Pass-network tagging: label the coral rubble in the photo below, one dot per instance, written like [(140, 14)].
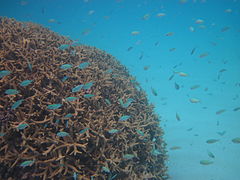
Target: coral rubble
[(71, 111)]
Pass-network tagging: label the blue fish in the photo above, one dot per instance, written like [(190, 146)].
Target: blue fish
[(66, 123), (26, 83), (29, 65), (83, 131), (22, 126), (77, 88), (127, 103), (65, 66), (17, 104), (88, 95), (108, 102), (76, 43), (124, 118), (27, 163), (88, 85), (75, 176), (109, 71), (140, 132), (113, 177), (62, 134), (63, 46), (2, 134), (73, 52), (128, 156), (54, 106), (57, 121), (64, 78), (156, 152), (4, 73), (71, 98), (121, 102), (83, 65), (210, 154), (112, 131), (106, 169), (11, 91), (68, 115)]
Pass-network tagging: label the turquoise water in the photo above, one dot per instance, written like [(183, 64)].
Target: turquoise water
[(196, 38)]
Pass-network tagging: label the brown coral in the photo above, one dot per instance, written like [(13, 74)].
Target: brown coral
[(88, 150)]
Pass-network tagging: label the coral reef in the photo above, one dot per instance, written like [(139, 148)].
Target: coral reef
[(69, 111)]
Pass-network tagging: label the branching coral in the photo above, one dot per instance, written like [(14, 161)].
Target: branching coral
[(71, 111)]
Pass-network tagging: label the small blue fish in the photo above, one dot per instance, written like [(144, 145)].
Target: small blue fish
[(154, 92), (113, 177), (2, 134), (236, 140), (26, 83), (83, 65), (63, 46), (105, 169), (206, 162), (133, 81), (64, 78), (29, 65), (83, 131), (88, 85), (211, 141), (108, 102), (17, 104), (4, 73), (76, 43), (121, 102), (65, 66), (57, 121), (77, 88), (127, 103), (124, 118), (11, 91), (68, 115), (140, 132), (73, 52), (88, 95), (75, 176), (130, 100), (66, 123), (115, 76), (22, 126), (109, 71), (62, 134), (54, 106), (27, 163), (112, 131), (210, 154), (71, 98), (221, 133), (128, 156), (156, 152)]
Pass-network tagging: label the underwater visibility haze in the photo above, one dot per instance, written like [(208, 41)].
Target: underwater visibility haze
[(120, 89)]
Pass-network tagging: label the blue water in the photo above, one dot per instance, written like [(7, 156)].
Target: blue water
[(107, 24)]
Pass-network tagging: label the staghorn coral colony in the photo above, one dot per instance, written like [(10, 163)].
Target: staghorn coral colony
[(69, 111)]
